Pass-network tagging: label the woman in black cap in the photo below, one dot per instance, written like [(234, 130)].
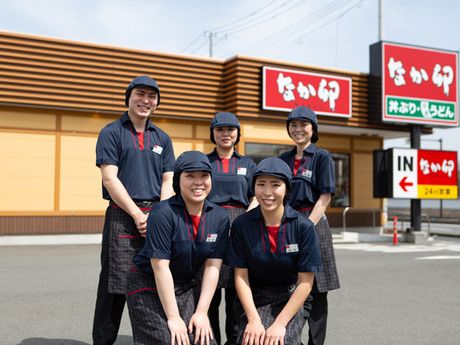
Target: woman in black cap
[(185, 234), (313, 187), (232, 177), (274, 251)]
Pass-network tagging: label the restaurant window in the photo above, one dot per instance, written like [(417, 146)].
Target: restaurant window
[(341, 198)]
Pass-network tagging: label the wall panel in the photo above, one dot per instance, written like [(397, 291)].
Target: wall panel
[(27, 174), (367, 144), (22, 119), (181, 146), (362, 187), (264, 130), (81, 186), (334, 143), (90, 124), (175, 129)]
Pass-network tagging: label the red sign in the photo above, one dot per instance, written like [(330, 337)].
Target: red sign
[(284, 89), (437, 167), (420, 85)]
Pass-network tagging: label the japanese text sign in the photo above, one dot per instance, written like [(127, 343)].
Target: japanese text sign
[(425, 174), (419, 85), (284, 89)]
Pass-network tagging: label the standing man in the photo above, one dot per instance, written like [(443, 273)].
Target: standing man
[(136, 159)]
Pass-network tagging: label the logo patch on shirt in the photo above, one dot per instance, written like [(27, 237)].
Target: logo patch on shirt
[(241, 171), (292, 248), (211, 238), (157, 149), (306, 173)]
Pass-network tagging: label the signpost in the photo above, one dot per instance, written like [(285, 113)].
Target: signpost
[(416, 86), (415, 174), (424, 174)]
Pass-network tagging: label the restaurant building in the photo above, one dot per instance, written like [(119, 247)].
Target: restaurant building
[(56, 95)]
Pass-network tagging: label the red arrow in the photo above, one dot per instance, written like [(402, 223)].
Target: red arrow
[(403, 183)]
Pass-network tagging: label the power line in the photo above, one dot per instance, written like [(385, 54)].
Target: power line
[(215, 36), (199, 47), (261, 9), (192, 43), (334, 19), (265, 19), (254, 22), (300, 24), (244, 23), (287, 30)]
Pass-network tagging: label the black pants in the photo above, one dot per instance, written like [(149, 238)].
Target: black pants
[(109, 307), (316, 304), (231, 325)]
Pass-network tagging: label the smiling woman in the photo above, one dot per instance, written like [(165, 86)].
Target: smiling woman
[(186, 234), (232, 176), (313, 187), (274, 251)]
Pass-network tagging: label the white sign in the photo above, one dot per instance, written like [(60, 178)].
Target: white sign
[(405, 173)]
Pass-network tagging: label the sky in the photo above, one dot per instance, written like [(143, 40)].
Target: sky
[(325, 33)]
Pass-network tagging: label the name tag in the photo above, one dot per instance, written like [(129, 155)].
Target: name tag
[(241, 171), (211, 238), (292, 248), (306, 173), (157, 149)]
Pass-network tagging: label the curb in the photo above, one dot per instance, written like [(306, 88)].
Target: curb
[(45, 240)]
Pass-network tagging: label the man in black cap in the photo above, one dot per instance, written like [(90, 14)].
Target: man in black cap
[(136, 159)]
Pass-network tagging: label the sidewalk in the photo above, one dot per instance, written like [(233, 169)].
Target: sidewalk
[(352, 235)]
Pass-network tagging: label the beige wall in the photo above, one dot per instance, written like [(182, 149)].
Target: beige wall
[(80, 179), (27, 176), (27, 120), (362, 188), (31, 179), (92, 124)]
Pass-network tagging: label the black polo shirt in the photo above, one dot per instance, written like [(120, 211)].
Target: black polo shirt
[(297, 248), (139, 170), (233, 187), (314, 177), (170, 236)]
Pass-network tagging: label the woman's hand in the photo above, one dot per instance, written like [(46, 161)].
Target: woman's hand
[(254, 333), (203, 331), (178, 331), (275, 334)]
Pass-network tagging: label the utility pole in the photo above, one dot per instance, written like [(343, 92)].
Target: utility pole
[(440, 200), (211, 36), (415, 204), (380, 20)]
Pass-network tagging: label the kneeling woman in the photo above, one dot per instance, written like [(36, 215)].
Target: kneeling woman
[(275, 251), (184, 234)]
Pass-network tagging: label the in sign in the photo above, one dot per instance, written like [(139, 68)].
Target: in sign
[(405, 174)]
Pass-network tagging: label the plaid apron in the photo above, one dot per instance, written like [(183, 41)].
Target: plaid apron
[(269, 303), (123, 241), (328, 278), (226, 272), (148, 319)]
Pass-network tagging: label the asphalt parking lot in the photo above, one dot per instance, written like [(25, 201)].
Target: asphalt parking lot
[(390, 295)]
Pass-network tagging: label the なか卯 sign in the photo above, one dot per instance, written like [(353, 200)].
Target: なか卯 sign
[(326, 94), (418, 85)]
